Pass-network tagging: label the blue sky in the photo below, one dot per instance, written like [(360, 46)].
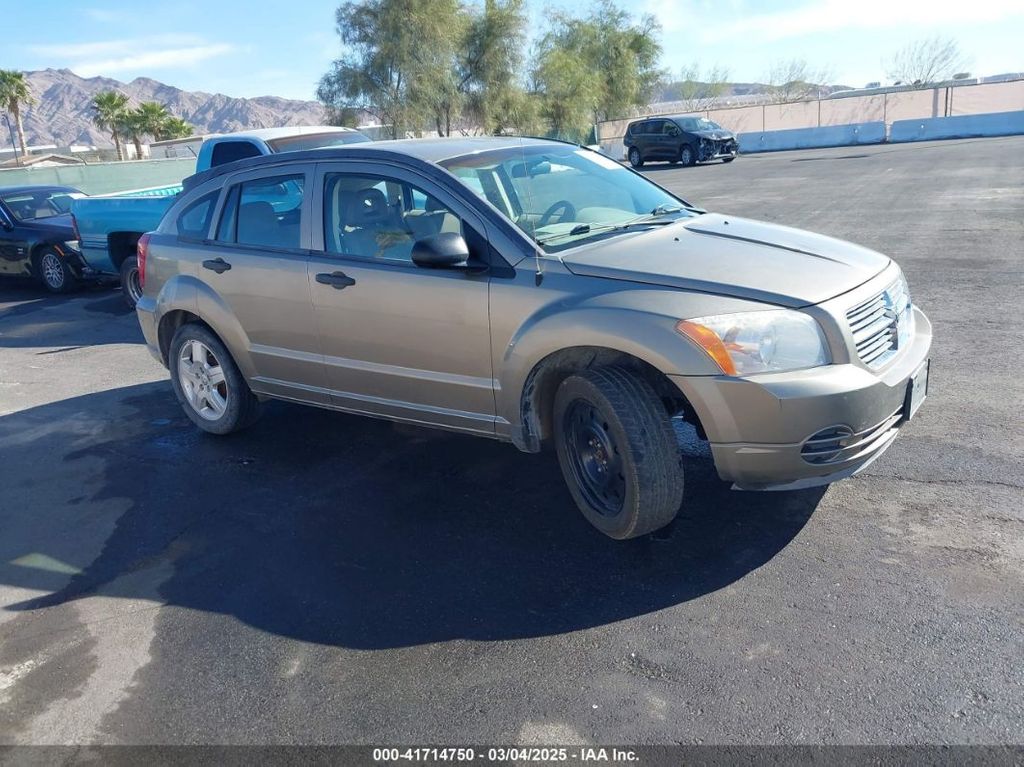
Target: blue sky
[(258, 47)]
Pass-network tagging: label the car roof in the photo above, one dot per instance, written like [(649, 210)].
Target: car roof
[(36, 188), (269, 134), (427, 150)]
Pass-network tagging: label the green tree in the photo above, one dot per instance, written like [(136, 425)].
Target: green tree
[(608, 55), (396, 62), (490, 66), (152, 117), (110, 111), (134, 128), (14, 94), (175, 127)]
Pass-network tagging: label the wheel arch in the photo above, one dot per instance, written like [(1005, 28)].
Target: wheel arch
[(121, 246), (536, 401)]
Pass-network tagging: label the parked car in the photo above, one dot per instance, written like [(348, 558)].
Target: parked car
[(37, 239), (110, 225), (678, 138), (535, 292)]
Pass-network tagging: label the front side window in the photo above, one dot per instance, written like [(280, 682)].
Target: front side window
[(194, 221), (381, 218), (266, 212), (561, 195)]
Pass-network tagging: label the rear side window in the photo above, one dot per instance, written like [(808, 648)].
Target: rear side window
[(230, 151), (194, 221), (265, 212)]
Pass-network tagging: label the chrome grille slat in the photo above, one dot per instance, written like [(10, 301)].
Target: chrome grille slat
[(873, 323)]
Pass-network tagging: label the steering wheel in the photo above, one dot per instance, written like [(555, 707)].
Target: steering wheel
[(568, 212)]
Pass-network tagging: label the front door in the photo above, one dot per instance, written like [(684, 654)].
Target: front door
[(399, 340)]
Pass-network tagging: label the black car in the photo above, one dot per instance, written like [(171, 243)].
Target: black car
[(37, 238), (678, 138)]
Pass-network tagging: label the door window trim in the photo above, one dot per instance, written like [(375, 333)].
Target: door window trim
[(259, 174), (400, 175)]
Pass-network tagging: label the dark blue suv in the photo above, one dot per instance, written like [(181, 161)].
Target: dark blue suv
[(678, 139)]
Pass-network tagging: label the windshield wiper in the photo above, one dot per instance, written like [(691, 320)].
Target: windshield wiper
[(647, 219)]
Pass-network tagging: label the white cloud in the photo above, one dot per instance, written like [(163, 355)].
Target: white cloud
[(108, 57), (833, 15)]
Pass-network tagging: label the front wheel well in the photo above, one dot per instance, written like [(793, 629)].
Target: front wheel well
[(538, 397), (122, 246)]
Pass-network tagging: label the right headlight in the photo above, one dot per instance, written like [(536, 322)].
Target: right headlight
[(759, 342)]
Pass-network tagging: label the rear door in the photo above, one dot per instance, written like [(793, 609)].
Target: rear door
[(399, 340), (255, 262)]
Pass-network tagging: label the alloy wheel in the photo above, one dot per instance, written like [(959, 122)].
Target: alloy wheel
[(202, 380), (52, 270)]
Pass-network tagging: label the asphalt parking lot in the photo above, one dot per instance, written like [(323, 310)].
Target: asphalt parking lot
[(323, 578)]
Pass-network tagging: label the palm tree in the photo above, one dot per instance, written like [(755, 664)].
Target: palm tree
[(109, 111), (134, 127), (15, 93), (175, 127), (152, 118)]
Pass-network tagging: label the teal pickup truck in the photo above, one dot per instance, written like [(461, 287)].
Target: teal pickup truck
[(109, 226)]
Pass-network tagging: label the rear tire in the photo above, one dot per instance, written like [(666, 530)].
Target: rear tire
[(635, 158), (207, 382), (53, 271), (618, 452), (130, 287)]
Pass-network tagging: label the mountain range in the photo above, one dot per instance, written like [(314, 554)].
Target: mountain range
[(62, 113)]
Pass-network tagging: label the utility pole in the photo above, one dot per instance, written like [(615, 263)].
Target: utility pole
[(17, 158)]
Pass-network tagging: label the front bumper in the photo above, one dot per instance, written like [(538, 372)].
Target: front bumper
[(717, 149), (757, 426)]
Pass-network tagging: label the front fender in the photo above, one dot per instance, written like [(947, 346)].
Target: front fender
[(640, 323)]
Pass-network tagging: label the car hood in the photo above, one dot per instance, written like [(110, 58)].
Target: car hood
[(732, 256), (713, 134)]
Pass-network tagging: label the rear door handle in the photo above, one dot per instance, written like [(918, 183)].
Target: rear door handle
[(218, 265), (337, 280)]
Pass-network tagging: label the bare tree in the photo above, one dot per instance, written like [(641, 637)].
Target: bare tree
[(926, 62), (795, 80), (699, 89)]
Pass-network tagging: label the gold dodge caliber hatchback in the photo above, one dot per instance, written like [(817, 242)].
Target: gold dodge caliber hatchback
[(533, 291)]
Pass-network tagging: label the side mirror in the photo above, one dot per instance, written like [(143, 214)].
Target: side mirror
[(440, 251), (5, 223)]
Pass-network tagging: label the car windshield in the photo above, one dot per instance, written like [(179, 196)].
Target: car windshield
[(39, 203), (563, 195), (705, 124), (316, 141)]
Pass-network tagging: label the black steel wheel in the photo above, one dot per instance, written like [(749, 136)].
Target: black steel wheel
[(617, 451)]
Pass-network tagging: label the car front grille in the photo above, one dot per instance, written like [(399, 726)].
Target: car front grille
[(840, 443), (882, 325)]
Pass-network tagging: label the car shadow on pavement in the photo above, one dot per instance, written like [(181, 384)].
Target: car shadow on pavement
[(30, 317), (347, 531)]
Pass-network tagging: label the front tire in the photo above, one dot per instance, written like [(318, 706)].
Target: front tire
[(635, 158), (618, 452), (54, 272), (687, 155), (208, 383), (131, 288)]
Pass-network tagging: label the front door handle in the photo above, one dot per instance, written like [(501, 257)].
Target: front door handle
[(337, 280), (218, 265)]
